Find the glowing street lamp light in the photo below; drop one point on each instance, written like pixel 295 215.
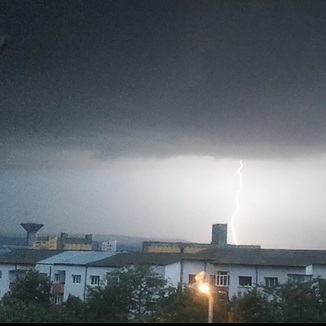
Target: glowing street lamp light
pixel 206 288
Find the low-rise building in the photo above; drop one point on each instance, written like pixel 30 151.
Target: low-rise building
pixel 69 273
pixel 15 263
pixel 219 240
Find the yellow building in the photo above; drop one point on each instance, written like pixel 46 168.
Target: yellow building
pixel 63 242
pixel 46 242
pixel 69 243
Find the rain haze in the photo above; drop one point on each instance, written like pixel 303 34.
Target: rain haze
pixel 132 118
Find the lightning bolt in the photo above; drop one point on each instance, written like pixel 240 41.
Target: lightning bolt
pixel 237 203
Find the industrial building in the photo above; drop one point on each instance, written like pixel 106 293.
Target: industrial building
pixel 219 240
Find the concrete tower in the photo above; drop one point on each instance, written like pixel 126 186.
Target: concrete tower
pixel 31 229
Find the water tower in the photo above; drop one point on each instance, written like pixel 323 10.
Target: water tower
pixel 31 229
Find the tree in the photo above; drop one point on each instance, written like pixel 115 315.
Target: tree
pixel 29 301
pixel 183 305
pixel 18 311
pixel 133 298
pixel 32 288
pixel 143 288
pixel 252 306
pixel 74 310
pixel 299 301
pixel 107 304
pixel 321 295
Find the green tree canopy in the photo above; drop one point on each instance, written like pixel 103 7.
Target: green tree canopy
pixel 183 305
pixel 133 298
pixel 253 306
pixel 299 302
pixel 34 288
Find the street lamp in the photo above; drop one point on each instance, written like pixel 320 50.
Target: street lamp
pixel 206 288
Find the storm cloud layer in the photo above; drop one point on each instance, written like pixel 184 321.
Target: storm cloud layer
pixel 163 78
pixel 131 117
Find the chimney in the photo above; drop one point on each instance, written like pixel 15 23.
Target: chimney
pixel 219 235
pixel 31 229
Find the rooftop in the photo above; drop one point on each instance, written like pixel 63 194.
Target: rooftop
pixel 76 257
pixel 266 257
pixel 123 259
pixel 26 256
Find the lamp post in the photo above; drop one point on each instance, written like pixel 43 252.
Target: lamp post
pixel 205 288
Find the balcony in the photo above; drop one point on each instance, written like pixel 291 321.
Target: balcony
pixel 58 288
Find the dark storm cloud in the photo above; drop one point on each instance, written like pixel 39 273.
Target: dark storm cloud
pixel 162 78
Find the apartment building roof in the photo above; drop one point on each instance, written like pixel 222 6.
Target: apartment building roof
pixel 217 256
pixel 76 257
pixel 123 259
pixel 226 256
pixel 267 257
pixel 26 256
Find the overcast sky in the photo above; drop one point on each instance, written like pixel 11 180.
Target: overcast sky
pixel 132 117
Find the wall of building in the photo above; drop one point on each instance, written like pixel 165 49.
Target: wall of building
pixel 96 271
pixel 193 267
pixel 257 274
pixel 172 273
pixel 76 289
pixel 316 270
pixel 4 280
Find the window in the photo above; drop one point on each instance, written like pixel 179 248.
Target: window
pixel 58 299
pixel 44 276
pixel 0 274
pixel 271 282
pixel 245 280
pixel 76 279
pixel 95 280
pixel 222 278
pixel 191 278
pixel 299 277
pixel 16 275
pixel 112 279
pixel 59 277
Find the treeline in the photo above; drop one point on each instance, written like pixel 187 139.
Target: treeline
pixel 142 296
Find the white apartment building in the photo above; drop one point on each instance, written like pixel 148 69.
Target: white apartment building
pixel 69 273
